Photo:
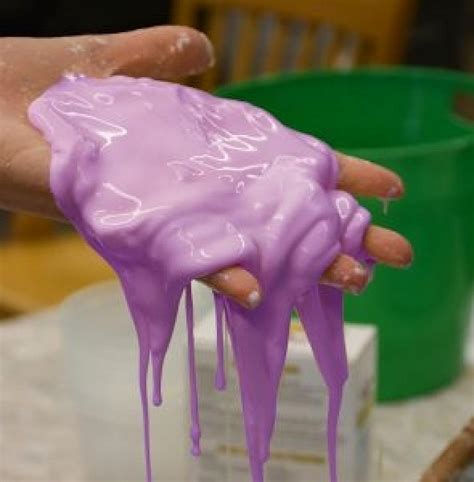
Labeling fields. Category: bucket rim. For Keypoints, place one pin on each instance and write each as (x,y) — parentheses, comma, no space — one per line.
(376,70)
(455,143)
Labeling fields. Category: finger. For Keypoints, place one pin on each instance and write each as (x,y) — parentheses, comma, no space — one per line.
(236,283)
(346,273)
(165,52)
(168,52)
(388,247)
(364,178)
(384,245)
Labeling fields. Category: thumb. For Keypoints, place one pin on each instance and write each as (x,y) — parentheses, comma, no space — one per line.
(167,52)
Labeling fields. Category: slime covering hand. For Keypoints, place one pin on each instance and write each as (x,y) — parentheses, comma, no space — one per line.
(29,66)
(170,184)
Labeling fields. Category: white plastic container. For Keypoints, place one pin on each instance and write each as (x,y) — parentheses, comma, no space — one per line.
(101,376)
(298,449)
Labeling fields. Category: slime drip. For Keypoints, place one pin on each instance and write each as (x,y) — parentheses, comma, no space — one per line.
(219,380)
(193,398)
(170,184)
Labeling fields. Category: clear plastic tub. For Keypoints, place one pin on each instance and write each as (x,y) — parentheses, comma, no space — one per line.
(101,377)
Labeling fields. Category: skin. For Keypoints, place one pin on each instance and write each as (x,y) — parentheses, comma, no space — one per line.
(29,66)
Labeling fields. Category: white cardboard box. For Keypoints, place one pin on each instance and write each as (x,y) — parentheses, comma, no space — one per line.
(298,450)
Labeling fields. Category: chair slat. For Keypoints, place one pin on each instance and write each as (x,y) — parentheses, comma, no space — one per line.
(245,47)
(334,49)
(277,44)
(216,24)
(306,48)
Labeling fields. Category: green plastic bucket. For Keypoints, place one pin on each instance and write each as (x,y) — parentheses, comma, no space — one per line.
(405,120)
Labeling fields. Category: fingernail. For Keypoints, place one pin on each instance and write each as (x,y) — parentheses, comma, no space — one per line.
(403,258)
(394,192)
(224,276)
(254,299)
(210,50)
(355,290)
(408,262)
(359,270)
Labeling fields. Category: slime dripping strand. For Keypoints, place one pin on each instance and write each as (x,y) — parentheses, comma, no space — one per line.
(144,352)
(193,390)
(219,379)
(324,328)
(144,359)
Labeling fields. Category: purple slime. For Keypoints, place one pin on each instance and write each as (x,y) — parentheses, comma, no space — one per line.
(219,380)
(170,184)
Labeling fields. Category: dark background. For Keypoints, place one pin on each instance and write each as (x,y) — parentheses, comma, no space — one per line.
(442,35)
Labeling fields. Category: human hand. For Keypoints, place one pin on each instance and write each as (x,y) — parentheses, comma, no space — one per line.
(30,66)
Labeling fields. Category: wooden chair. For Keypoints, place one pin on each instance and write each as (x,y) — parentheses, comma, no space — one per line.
(254,37)
(41,262)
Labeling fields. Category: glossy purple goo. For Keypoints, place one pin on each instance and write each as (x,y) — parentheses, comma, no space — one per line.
(169,184)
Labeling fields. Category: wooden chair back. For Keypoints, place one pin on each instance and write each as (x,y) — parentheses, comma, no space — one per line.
(255,37)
